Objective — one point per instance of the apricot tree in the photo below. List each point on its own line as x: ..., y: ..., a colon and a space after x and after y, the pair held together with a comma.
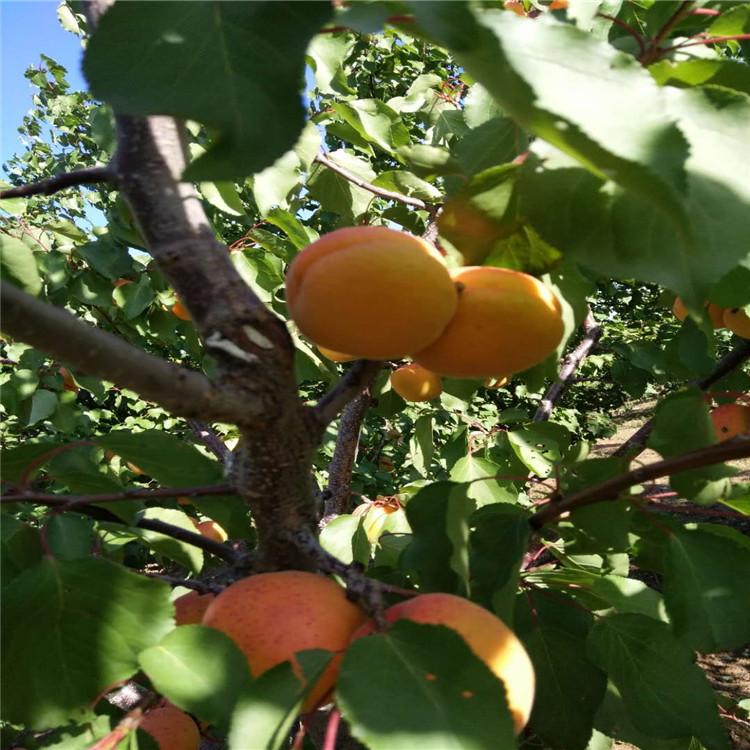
x: 337, y: 364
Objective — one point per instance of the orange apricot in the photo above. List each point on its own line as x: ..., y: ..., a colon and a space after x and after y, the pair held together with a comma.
x: 372, y: 292
x: 516, y: 6
x: 335, y: 356
x: 715, y: 312
x: 211, y: 530
x: 730, y: 420
x: 171, y: 728
x: 180, y: 311
x: 737, y: 321
x: 485, y: 634
x: 190, y: 608
x: 273, y: 616
x: 415, y: 383
x: 507, y: 321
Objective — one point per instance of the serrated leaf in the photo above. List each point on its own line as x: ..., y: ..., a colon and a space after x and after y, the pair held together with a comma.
x: 63, y: 620
x: 707, y: 590
x: 407, y: 183
x: 438, y: 689
x: 214, y: 63
x: 421, y: 446
x: 70, y: 536
x: 539, y: 446
x: 43, y: 406
x: 337, y: 194
x: 482, y: 480
x: 665, y: 693
x: 492, y: 143
x: 224, y: 196
x: 200, y: 670
x: 328, y: 53
x: 569, y: 687
x: 265, y: 711
x: 374, y: 121
x: 345, y: 539
x: 106, y: 257
x: 134, y: 298
x: 165, y: 457
x: 18, y: 265
x: 722, y: 72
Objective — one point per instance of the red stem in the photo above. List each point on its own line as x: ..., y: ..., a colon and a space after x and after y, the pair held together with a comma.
x: 332, y: 730
x: 627, y: 27
x: 709, y: 40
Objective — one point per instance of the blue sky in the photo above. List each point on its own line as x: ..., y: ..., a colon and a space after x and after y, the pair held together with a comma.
x: 27, y: 29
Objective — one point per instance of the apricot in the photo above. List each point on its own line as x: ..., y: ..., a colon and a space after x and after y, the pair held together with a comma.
x: 730, y: 420
x: 737, y: 321
x: 335, y: 356
x: 69, y: 384
x: 485, y: 634
x: 507, y: 321
x: 715, y: 312
x: 190, y: 607
x: 180, y: 311
x: 272, y: 616
x: 171, y: 728
x: 415, y: 383
x: 372, y: 292
x: 211, y: 530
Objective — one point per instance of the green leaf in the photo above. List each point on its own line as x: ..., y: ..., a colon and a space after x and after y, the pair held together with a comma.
x: 200, y: 670
x: 328, y: 53
x: 438, y: 515
x: 91, y: 289
x: 681, y: 424
x: 18, y: 265
x: 16, y: 461
x: 429, y: 161
x: 236, y: 67
x: 438, y: 689
x: 722, y: 72
x: 498, y: 541
x: 706, y: 590
x: 107, y: 257
x: 421, y: 446
x: 345, y: 538
x: 185, y: 554
x: 43, y: 406
x: 70, y: 536
x: 134, y: 298
x: 20, y: 548
x: 665, y: 693
x: 265, y: 711
x: 374, y: 121
x: 494, y: 142
x: 224, y: 196
x: 483, y: 481
x: 539, y: 446
x: 337, y: 194
x: 81, y: 624
x: 569, y: 687
x: 407, y: 183
x: 166, y: 458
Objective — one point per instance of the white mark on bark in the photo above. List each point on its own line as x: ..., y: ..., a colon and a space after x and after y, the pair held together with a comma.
x: 215, y: 341
x: 257, y: 338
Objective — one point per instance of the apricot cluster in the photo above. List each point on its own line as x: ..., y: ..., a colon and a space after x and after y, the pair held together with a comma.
x: 315, y: 613
x: 376, y: 293
x: 733, y: 318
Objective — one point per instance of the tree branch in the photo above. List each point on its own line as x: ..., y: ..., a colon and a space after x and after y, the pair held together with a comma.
x: 337, y: 494
x: 359, y: 376
x: 326, y: 161
x: 61, y: 335
x: 209, y: 438
x: 637, y: 441
x: 86, y: 176
x: 592, y: 334
x: 738, y: 447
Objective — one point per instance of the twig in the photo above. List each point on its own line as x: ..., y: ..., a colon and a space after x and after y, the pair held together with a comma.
x: 738, y: 447
x: 71, y: 502
x: 358, y: 377
x: 627, y: 27
x: 129, y: 723
x: 592, y: 334
x: 708, y: 40
x: 188, y: 583
x: 323, y: 159
x: 86, y: 176
x: 336, y: 495
x: 209, y: 438
x: 62, y: 336
x: 637, y: 441
x: 653, y: 48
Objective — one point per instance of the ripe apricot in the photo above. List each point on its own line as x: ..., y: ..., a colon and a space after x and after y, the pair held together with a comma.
x: 335, y: 356
x: 211, y: 530
x: 715, y: 312
x: 180, y: 311
x: 190, y: 608
x: 272, y: 616
x: 69, y: 384
x: 737, y: 321
x: 485, y: 634
x: 507, y: 321
x: 372, y: 292
x: 171, y: 728
x: 415, y: 383
x: 730, y: 420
